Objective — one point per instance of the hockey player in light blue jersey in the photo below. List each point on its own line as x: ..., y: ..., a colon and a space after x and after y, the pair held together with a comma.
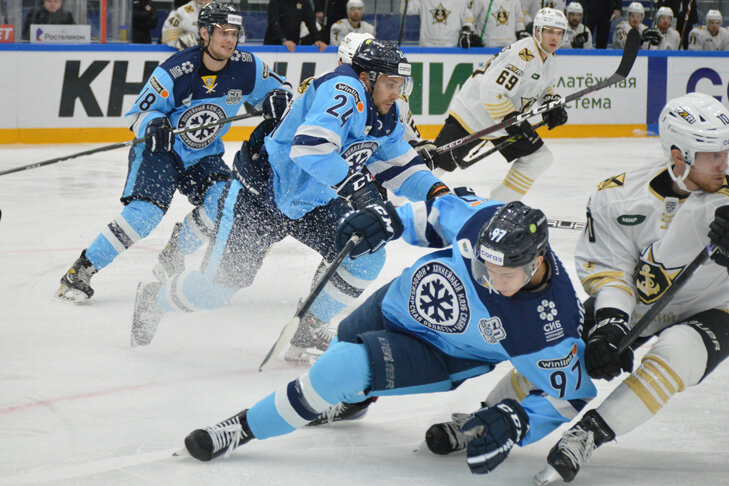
x: 495, y: 292
x: 314, y: 167
x: 199, y: 85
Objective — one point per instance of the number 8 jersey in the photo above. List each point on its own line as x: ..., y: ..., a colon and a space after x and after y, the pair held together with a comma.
x: 514, y: 80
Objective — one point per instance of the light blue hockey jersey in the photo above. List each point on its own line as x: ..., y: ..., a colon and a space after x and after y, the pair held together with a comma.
x: 177, y: 91
x: 438, y: 300
x: 331, y: 131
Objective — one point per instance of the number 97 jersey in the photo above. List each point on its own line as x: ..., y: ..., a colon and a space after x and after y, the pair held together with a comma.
x: 514, y: 80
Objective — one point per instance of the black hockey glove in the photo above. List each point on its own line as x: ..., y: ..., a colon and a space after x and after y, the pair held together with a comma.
x: 521, y: 130
x: 359, y: 190
x: 377, y: 224
x: 601, y: 354
x: 158, y: 135
x: 492, y: 432
x: 522, y: 34
x: 275, y: 103
x: 556, y: 116
x: 653, y: 36
x: 426, y: 149
x: 719, y: 235
x: 467, y: 39
x: 579, y: 41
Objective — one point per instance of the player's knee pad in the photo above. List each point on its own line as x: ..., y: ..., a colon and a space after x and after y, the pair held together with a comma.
x: 193, y: 291
x: 679, y: 355
x: 513, y: 385
x: 137, y: 220
x: 533, y: 165
x: 342, y: 373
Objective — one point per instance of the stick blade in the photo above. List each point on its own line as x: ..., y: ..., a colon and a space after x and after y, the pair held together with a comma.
x: 283, y: 340
x: 630, y: 52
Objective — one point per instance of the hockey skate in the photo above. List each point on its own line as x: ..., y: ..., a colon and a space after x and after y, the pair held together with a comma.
x: 575, y: 448
x: 146, y: 314
x: 310, y: 341
x: 343, y: 411
x: 211, y: 442
x: 75, y: 284
x: 447, y: 437
x: 170, y: 261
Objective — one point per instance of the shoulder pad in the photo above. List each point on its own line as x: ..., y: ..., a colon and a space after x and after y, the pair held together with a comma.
x: 182, y: 63
x: 610, y: 182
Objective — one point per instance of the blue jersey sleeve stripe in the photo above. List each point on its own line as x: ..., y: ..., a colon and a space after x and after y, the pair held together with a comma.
x: 394, y: 176
x: 307, y: 132
x: 401, y: 160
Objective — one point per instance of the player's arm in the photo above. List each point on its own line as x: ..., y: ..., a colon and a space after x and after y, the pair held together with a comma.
x: 619, y: 37
x: 156, y: 100
x: 174, y: 35
x: 499, y: 86
x: 266, y: 80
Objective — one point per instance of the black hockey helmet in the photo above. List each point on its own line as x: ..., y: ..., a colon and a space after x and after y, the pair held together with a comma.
x: 514, y: 237
x: 376, y: 56
x: 219, y: 14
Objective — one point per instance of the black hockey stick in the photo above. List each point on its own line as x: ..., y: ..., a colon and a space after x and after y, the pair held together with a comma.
x: 632, y: 45
x: 290, y: 328
x: 496, y: 148
x: 661, y: 303
x: 402, y: 24
x: 128, y: 143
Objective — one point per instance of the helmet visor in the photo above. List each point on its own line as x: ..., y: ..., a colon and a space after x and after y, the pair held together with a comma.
x: 505, y: 280
x: 402, y: 85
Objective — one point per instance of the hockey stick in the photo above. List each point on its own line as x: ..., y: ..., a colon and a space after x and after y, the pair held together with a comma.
x: 402, y: 24
x: 290, y: 328
x: 685, y: 23
x: 661, y: 303
x: 488, y: 12
x: 128, y: 143
x: 562, y: 224
x: 632, y: 45
x: 496, y: 148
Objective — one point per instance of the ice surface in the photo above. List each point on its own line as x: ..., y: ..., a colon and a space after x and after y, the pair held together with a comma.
x: 79, y: 406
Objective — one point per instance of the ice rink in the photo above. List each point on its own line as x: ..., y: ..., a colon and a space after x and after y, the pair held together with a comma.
x: 78, y: 405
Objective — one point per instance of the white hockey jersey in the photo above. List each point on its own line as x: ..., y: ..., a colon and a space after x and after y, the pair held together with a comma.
x: 639, y: 236
x: 570, y: 34
x: 411, y: 134
x: 514, y: 80
x: 701, y: 39
x: 531, y: 7
x: 342, y: 27
x: 670, y: 42
x: 180, y: 29
x: 504, y: 21
x: 440, y: 20
x: 621, y: 33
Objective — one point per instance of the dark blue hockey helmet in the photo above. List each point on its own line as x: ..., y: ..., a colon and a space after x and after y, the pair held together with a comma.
x: 219, y: 14
x: 514, y: 237
x: 376, y: 57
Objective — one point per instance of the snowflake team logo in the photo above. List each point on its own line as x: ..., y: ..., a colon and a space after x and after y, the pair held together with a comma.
x: 438, y: 299
x: 200, y: 115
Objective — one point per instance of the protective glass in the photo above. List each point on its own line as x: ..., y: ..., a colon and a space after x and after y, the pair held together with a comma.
x: 402, y: 85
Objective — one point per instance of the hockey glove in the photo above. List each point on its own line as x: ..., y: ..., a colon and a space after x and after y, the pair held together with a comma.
x: 492, y: 432
x: 275, y: 103
x: 601, y: 354
x: 719, y: 235
x: 158, y: 135
x: 556, y: 116
x: 187, y: 40
x: 467, y: 39
x: 653, y: 36
x: 579, y: 41
x: 521, y: 130
x: 377, y: 224
x: 426, y: 149
x: 359, y: 190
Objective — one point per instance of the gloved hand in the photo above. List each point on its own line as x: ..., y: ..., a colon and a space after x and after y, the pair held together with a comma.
x: 492, y: 432
x: 187, y: 40
x: 521, y: 34
x: 158, y: 135
x: 426, y: 149
x: 359, y: 190
x: 579, y: 41
x: 602, y: 360
x: 467, y: 39
x: 653, y: 36
x: 523, y: 129
x: 719, y: 235
x: 556, y: 116
x: 376, y: 223
x: 275, y: 103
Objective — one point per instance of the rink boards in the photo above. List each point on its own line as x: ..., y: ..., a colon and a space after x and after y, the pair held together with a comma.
x: 72, y: 94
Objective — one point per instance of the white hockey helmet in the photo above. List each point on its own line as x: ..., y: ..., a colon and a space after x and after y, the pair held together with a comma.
x: 692, y: 123
x: 636, y: 7
x: 575, y: 8
x: 549, y: 17
x: 349, y: 46
x: 354, y: 3
x: 664, y: 11
x: 714, y: 15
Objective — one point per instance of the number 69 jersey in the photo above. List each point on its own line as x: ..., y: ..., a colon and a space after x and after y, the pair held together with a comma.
x: 438, y: 300
x: 514, y: 80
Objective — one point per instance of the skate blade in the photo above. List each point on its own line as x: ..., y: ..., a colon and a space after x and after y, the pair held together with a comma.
x: 70, y: 296
x: 422, y: 448
x: 546, y: 476
x: 181, y: 453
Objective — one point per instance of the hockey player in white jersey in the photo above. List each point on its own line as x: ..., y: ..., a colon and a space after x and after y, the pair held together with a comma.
x: 577, y: 36
x: 636, y: 13
x: 442, y: 22
x: 353, y: 23
x: 662, y: 37
x: 710, y: 37
x: 643, y: 227
x: 504, y: 24
x: 531, y: 7
x: 180, y: 29
x: 516, y: 79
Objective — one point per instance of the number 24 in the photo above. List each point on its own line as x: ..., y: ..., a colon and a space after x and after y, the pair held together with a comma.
x: 341, y: 101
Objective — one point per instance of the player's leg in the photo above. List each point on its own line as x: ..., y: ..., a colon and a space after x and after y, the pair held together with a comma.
x: 531, y: 159
x: 203, y: 185
x: 683, y: 355
x: 463, y: 156
x: 316, y: 230
x: 151, y: 182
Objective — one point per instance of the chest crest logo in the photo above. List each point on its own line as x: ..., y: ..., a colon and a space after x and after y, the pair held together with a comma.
x: 651, y: 278
x: 501, y: 16
x: 209, y: 83
x: 440, y: 14
x: 438, y: 299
